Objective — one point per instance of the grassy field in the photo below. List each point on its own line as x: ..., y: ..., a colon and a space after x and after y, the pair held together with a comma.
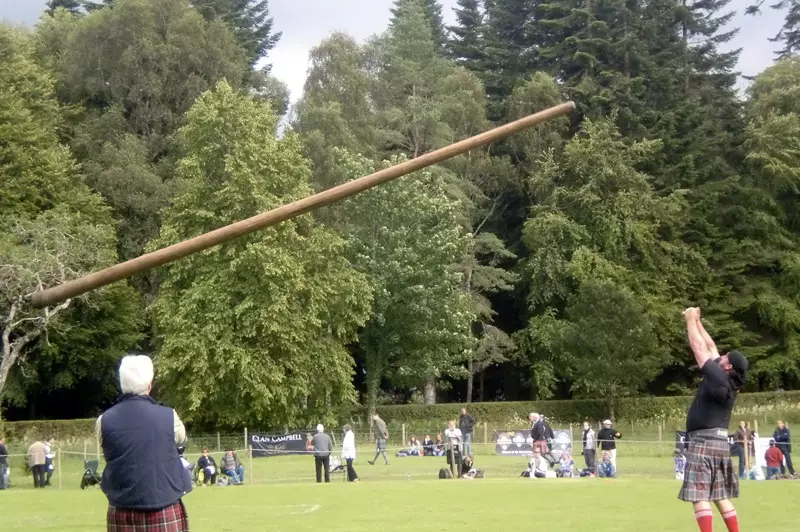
x: 281, y: 493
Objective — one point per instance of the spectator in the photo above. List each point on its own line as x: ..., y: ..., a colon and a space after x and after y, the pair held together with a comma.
x: 143, y: 478
x: 428, y: 446
x: 413, y: 448
x: 3, y: 463
x: 438, y: 448
x: 349, y: 453
x: 737, y: 449
x: 538, y: 465
x: 37, y: 461
x: 774, y: 458
x: 187, y: 465
x: 744, y: 437
x: 538, y: 432
x: 49, y: 456
x: 323, y: 447
x: 565, y: 465
x: 466, y: 423
x: 231, y: 467
x: 454, y: 452
x: 605, y: 438
x: 784, y: 442
x: 468, y: 467
x: 607, y: 468
x: 381, y: 435
x: 589, y: 446
x: 680, y: 464
x: 208, y: 467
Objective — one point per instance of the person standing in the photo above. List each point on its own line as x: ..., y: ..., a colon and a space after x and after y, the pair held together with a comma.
x: 538, y: 432
x: 349, y: 453
x: 381, y: 435
x: 323, y: 447
x: 3, y: 463
x: 454, y: 446
x: 710, y: 476
x: 605, y: 438
x: 466, y: 423
x: 144, y: 480
x: 589, y: 446
x: 37, y: 460
x: 49, y: 456
x: 783, y: 441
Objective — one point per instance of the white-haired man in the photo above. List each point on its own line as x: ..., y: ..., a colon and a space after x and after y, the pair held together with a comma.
x: 323, y: 447
x: 144, y: 479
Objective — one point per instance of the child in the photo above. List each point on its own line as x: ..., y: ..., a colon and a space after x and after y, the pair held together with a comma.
x: 680, y: 464
x: 566, y: 464
x: 606, y: 468
x: 774, y: 458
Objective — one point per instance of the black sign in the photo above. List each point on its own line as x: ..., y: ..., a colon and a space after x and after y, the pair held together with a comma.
x: 519, y: 442
x: 279, y: 444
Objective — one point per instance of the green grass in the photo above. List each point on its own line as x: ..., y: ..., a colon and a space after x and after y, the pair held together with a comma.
x: 406, y: 495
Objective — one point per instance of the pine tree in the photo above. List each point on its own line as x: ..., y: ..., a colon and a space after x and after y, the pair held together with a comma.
x: 466, y: 44
x: 73, y: 6
x: 248, y: 19
x: 789, y: 36
x: 433, y: 15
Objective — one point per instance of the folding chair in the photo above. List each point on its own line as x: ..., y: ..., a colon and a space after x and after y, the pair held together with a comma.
x: 91, y: 478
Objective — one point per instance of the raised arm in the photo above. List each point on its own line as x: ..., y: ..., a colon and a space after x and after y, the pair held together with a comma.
x: 702, y: 353
x: 710, y: 345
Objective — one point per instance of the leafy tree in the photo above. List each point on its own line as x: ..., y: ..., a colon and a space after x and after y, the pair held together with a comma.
x: 53, y: 227
x: 266, y: 317
x: 420, y: 326
x: 250, y: 22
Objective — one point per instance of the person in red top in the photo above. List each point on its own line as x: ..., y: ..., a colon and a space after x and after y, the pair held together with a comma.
x: 774, y: 458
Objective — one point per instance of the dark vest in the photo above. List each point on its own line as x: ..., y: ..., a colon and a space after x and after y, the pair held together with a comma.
x: 143, y: 470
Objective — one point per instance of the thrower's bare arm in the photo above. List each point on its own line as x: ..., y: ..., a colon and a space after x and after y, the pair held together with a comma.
x: 710, y: 345
x: 702, y: 353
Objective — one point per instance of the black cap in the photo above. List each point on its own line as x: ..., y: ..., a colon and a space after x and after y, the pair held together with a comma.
x: 739, y: 362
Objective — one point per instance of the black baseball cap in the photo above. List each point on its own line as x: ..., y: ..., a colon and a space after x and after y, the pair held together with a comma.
x: 739, y: 362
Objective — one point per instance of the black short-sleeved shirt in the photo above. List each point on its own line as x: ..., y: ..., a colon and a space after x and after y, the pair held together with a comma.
x: 714, y: 400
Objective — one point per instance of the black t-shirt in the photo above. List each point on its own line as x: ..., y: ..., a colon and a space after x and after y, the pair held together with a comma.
x: 713, y: 403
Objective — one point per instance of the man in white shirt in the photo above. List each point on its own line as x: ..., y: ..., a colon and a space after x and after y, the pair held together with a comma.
x: 454, y: 441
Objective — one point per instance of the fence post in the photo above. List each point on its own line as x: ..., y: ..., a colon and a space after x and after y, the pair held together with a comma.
x: 58, y: 465
x: 219, y: 443
x: 485, y: 436
x: 659, y: 432
x: 85, y: 447
x: 403, y: 441
x: 631, y: 428
x: 245, y: 438
x: 250, y: 465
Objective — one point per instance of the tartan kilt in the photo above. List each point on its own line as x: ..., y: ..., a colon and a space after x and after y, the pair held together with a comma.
x: 170, y: 519
x: 381, y: 444
x: 709, y: 474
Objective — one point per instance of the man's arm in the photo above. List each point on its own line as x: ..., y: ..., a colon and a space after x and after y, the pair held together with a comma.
x: 180, y: 430
x: 98, y: 430
x: 710, y: 345
x: 702, y: 353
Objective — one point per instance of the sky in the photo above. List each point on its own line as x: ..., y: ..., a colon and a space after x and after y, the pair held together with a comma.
x: 305, y: 23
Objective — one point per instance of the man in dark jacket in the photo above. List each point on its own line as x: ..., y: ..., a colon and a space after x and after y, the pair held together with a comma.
x: 323, y: 447
x: 605, y: 439
x: 783, y: 442
x: 144, y: 479
x: 3, y: 463
x: 466, y: 423
x: 208, y: 466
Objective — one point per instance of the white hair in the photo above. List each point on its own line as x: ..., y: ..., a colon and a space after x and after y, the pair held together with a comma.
x: 136, y: 374
x: 534, y: 415
x: 320, y: 428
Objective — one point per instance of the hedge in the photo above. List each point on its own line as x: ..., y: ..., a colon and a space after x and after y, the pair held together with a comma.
x: 511, y: 414
x: 633, y: 409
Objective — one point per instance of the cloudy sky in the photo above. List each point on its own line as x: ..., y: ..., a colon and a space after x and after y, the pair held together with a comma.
x: 306, y: 22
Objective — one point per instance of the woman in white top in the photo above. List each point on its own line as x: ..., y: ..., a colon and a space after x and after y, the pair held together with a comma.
x: 538, y: 465
x: 349, y: 453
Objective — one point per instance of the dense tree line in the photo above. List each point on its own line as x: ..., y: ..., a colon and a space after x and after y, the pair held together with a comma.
x: 553, y: 264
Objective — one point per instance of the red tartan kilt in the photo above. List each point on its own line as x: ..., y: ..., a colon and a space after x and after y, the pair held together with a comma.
x: 542, y: 446
x: 170, y: 519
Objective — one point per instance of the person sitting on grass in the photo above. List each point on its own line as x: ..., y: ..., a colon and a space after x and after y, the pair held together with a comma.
x: 680, y: 464
x: 208, y: 467
x: 438, y: 447
x: 231, y: 467
x: 774, y: 458
x: 427, y: 445
x: 538, y: 465
x: 606, y: 468
x: 413, y: 448
x: 566, y: 465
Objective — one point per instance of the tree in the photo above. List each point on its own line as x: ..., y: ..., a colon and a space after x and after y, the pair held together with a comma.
x: 53, y: 227
x: 597, y: 219
x: 73, y: 6
x: 250, y: 22
x: 134, y: 90
x: 466, y: 46
x: 432, y: 12
x: 266, y: 317
x: 420, y: 326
